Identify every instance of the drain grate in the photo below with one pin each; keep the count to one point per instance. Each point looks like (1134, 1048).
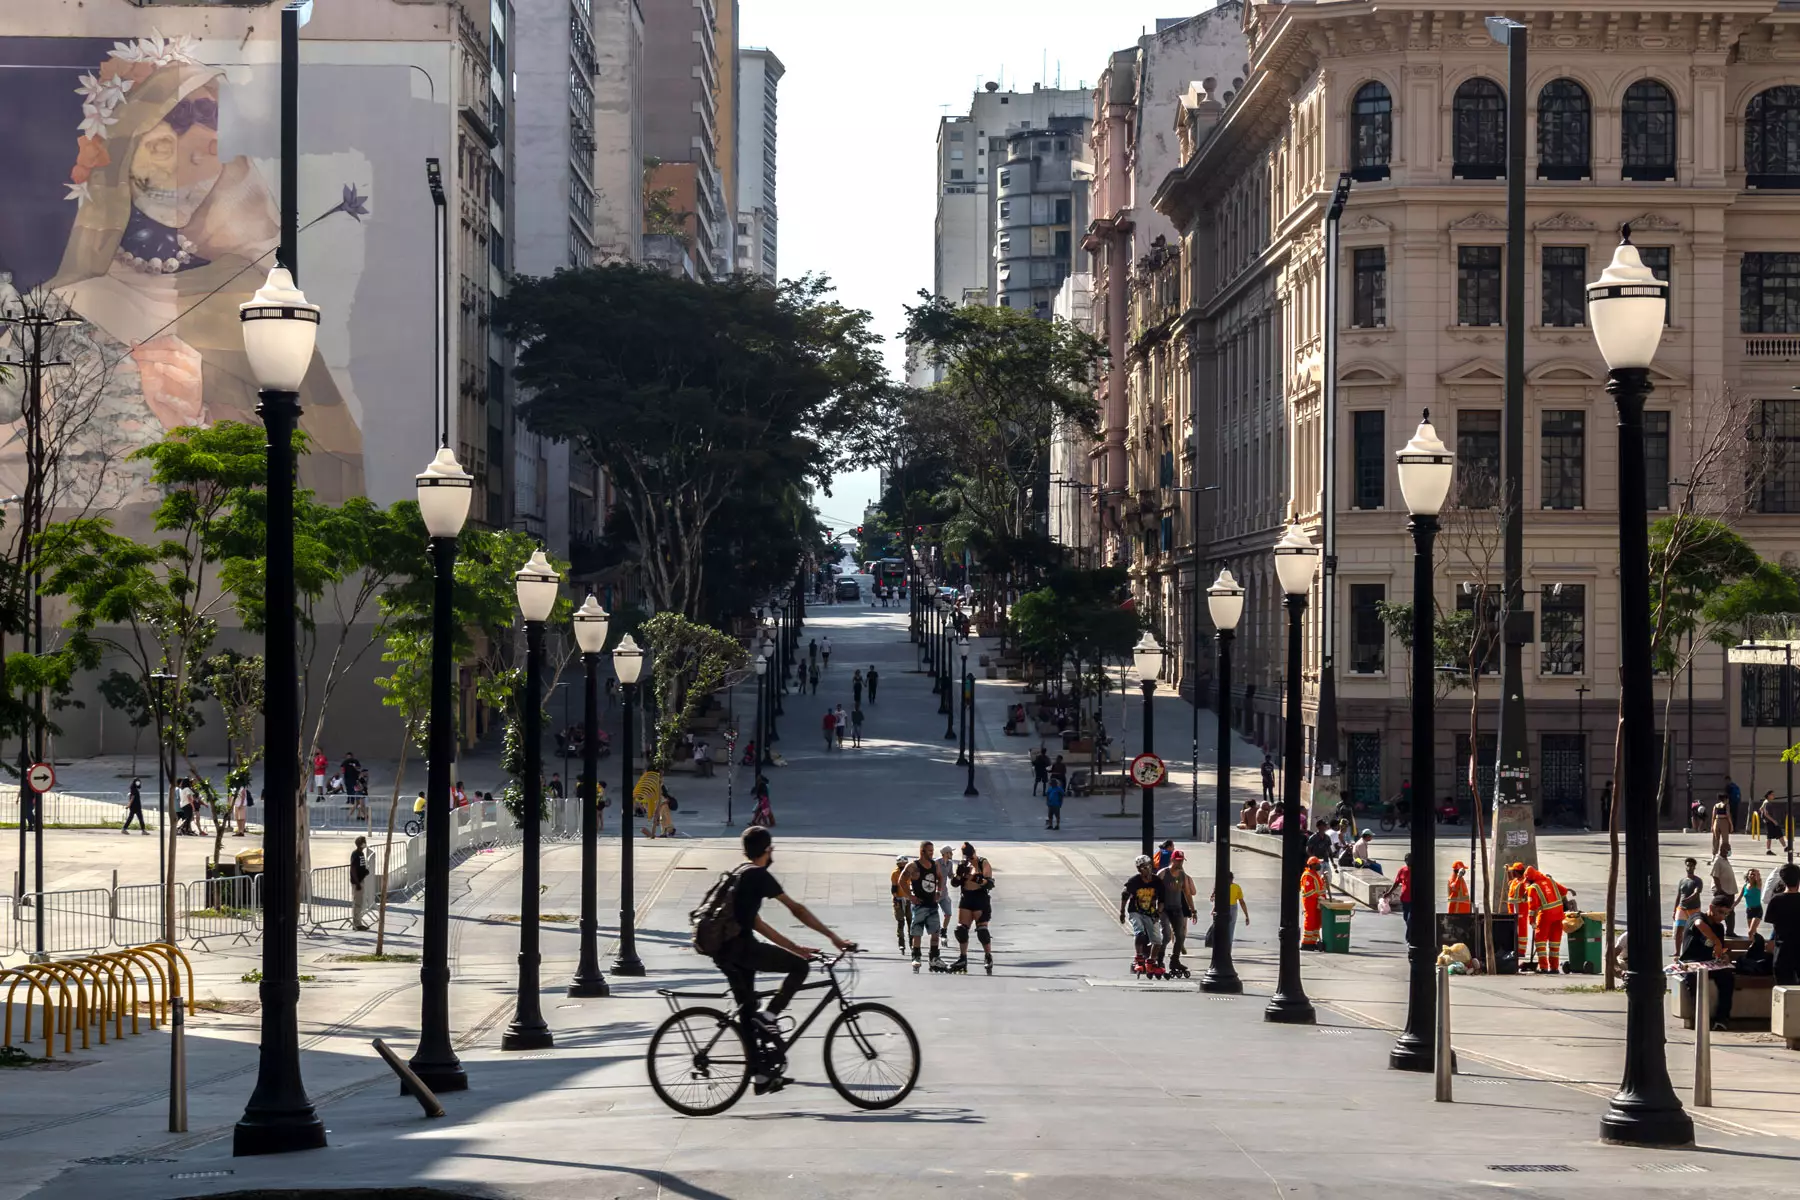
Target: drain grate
(1484, 1079)
(1334, 1031)
(202, 1174)
(1536, 1168)
(1673, 1168)
(122, 1160)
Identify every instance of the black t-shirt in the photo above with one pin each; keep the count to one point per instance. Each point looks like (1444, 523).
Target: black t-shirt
(1318, 845)
(1687, 893)
(1782, 914)
(1695, 947)
(1141, 893)
(755, 885)
(925, 882)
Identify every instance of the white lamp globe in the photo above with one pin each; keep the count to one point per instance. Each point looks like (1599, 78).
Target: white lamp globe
(1296, 561)
(1426, 467)
(536, 585)
(590, 622)
(1147, 658)
(280, 328)
(762, 665)
(444, 490)
(628, 660)
(1225, 601)
(1627, 306)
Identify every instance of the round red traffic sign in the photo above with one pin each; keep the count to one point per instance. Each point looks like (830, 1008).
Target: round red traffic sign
(1147, 770)
(42, 777)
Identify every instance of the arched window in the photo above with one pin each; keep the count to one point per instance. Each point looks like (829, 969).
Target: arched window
(1772, 138)
(1371, 132)
(1479, 113)
(1648, 139)
(1565, 131)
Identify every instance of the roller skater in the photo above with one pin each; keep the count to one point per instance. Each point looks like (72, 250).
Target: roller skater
(1177, 909)
(1141, 900)
(975, 878)
(900, 914)
(921, 883)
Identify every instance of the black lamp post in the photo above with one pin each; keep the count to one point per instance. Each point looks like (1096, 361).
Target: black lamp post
(1225, 601)
(590, 623)
(1147, 658)
(944, 705)
(1296, 562)
(965, 734)
(536, 585)
(444, 491)
(1626, 308)
(628, 664)
(762, 686)
(1426, 467)
(280, 328)
(969, 718)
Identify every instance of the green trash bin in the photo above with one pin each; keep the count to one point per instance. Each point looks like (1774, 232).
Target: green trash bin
(1335, 919)
(1587, 944)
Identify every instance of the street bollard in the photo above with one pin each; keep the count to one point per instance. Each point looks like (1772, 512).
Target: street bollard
(177, 1065)
(1444, 1061)
(1702, 1039)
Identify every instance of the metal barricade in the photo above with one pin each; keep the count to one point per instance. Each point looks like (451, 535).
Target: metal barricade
(137, 915)
(74, 921)
(9, 943)
(330, 901)
(227, 907)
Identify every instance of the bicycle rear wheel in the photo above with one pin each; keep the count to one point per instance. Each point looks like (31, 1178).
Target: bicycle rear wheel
(871, 1056)
(699, 1062)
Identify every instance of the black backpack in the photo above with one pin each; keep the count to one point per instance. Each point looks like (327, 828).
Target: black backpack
(715, 922)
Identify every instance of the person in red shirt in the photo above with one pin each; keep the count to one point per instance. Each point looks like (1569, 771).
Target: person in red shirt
(829, 725)
(1403, 885)
(320, 764)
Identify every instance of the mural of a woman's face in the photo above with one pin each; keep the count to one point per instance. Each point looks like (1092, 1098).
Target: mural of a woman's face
(177, 163)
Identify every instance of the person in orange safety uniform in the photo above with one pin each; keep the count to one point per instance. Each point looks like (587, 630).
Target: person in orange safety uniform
(1312, 890)
(1544, 907)
(1459, 889)
(1515, 904)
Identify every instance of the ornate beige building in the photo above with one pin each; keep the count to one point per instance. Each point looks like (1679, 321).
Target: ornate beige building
(1682, 120)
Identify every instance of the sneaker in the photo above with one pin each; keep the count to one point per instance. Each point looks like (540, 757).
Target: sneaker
(762, 1085)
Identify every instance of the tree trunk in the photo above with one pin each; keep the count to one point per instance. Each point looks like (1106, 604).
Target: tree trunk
(387, 848)
(1612, 869)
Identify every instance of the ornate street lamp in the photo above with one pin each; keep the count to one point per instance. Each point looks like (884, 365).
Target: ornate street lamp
(968, 706)
(444, 490)
(1426, 467)
(945, 641)
(628, 664)
(761, 662)
(280, 328)
(536, 585)
(1296, 562)
(1626, 308)
(1147, 659)
(1225, 601)
(590, 621)
(965, 735)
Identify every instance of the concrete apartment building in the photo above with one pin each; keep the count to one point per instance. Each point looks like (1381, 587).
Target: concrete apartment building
(1678, 118)
(683, 105)
(759, 80)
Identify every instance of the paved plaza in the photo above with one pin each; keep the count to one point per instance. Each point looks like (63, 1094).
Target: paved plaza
(1058, 1076)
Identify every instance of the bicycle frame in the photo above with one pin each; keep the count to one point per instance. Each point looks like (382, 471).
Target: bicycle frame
(829, 982)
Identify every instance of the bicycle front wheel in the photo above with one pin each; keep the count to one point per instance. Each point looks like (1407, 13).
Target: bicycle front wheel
(871, 1056)
(1387, 822)
(699, 1062)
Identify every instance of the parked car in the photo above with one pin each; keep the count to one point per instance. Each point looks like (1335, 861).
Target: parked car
(848, 589)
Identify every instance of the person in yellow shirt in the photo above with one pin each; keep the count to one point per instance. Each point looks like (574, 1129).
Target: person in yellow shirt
(1233, 905)
(419, 804)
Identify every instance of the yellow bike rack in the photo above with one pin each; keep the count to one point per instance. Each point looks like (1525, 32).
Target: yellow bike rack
(85, 992)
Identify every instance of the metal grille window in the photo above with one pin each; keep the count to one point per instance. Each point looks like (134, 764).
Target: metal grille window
(1478, 285)
(1564, 446)
(1480, 130)
(1484, 771)
(1769, 292)
(1657, 259)
(1765, 700)
(1648, 138)
(1368, 636)
(1477, 457)
(1565, 131)
(1565, 285)
(1772, 138)
(1777, 434)
(1563, 647)
(1371, 132)
(1484, 601)
(1368, 306)
(1656, 460)
(1369, 429)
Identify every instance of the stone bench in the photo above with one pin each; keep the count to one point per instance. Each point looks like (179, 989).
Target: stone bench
(1784, 1015)
(1364, 886)
(1752, 1001)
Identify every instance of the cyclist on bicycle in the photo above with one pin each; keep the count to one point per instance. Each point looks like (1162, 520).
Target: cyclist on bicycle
(744, 956)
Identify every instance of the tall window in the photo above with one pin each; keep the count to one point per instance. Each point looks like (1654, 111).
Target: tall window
(1657, 259)
(1480, 130)
(1371, 132)
(1477, 457)
(1648, 137)
(1478, 285)
(1371, 449)
(1769, 293)
(1483, 601)
(1656, 460)
(1768, 694)
(1564, 444)
(1772, 138)
(1368, 636)
(1565, 131)
(1777, 435)
(1563, 648)
(1368, 305)
(1565, 285)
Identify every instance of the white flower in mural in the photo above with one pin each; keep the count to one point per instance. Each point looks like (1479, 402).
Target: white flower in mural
(104, 93)
(157, 50)
(95, 119)
(78, 192)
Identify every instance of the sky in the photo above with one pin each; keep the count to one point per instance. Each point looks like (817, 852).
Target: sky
(856, 138)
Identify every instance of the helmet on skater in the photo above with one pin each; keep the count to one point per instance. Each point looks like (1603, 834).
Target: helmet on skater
(1142, 860)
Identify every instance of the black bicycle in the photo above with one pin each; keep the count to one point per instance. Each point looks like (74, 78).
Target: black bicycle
(700, 1058)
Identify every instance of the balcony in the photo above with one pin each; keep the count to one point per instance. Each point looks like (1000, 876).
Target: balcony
(1155, 291)
(1772, 347)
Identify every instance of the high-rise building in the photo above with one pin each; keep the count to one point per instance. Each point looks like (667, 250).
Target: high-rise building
(759, 75)
(1041, 191)
(681, 102)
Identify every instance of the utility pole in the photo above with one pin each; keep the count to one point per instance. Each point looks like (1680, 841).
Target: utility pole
(1326, 784)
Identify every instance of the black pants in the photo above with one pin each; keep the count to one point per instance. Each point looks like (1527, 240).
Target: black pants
(1725, 982)
(871, 691)
(1040, 783)
(742, 961)
(1787, 964)
(136, 810)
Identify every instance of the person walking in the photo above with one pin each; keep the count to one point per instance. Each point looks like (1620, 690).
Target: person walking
(135, 800)
(1177, 909)
(1268, 779)
(359, 876)
(828, 726)
(840, 725)
(812, 675)
(1734, 796)
(1752, 896)
(1234, 904)
(874, 678)
(1769, 821)
(812, 650)
(1053, 802)
(856, 720)
(1059, 773)
(856, 689)
(1403, 885)
(1721, 823)
(1040, 771)
(1724, 880)
(825, 653)
(1687, 901)
(240, 809)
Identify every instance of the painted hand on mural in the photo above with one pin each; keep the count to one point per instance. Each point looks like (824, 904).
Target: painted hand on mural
(169, 374)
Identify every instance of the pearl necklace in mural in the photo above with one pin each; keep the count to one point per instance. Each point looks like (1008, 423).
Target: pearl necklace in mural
(154, 248)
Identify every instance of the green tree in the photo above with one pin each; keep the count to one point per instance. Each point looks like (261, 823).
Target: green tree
(689, 663)
(406, 688)
(236, 682)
